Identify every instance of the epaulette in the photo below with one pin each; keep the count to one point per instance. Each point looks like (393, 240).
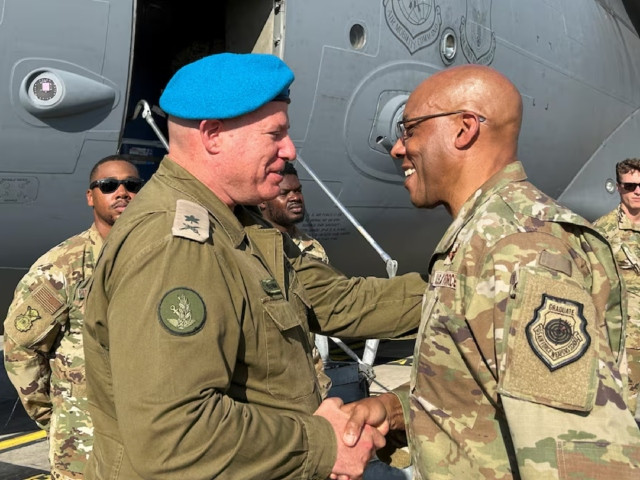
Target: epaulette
(191, 221)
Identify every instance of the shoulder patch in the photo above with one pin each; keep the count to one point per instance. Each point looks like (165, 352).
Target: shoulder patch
(557, 333)
(555, 262)
(182, 311)
(191, 221)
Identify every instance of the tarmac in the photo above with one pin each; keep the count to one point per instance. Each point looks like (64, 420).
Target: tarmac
(24, 447)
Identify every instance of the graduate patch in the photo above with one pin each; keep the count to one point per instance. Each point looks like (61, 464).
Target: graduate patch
(182, 311)
(24, 322)
(557, 334)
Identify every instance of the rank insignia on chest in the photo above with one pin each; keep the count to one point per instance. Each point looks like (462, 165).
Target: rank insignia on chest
(557, 334)
(271, 287)
(182, 311)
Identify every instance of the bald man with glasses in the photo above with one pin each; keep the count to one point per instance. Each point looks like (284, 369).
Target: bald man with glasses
(43, 350)
(621, 226)
(519, 355)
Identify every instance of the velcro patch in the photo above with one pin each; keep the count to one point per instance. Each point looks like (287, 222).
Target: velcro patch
(191, 221)
(47, 298)
(444, 279)
(182, 311)
(24, 321)
(551, 354)
(555, 262)
(557, 334)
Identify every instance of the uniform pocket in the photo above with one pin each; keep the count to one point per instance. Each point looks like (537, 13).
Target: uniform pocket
(290, 373)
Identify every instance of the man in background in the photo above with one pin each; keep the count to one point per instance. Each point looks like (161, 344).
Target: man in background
(44, 357)
(621, 227)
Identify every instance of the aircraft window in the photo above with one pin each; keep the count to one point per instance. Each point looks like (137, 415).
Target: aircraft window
(357, 36)
(448, 46)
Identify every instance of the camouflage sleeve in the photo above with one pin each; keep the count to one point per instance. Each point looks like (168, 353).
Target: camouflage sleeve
(558, 382)
(31, 328)
(29, 372)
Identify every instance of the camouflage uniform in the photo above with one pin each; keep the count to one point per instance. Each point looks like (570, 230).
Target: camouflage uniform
(514, 375)
(44, 357)
(309, 245)
(197, 340)
(624, 237)
(314, 248)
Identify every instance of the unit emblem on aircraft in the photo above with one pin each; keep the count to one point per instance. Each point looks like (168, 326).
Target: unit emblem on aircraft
(416, 23)
(557, 334)
(477, 37)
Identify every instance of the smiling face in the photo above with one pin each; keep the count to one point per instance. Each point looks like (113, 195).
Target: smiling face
(257, 147)
(428, 174)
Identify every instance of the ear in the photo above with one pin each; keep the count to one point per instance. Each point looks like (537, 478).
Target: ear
(262, 206)
(468, 130)
(210, 135)
(90, 198)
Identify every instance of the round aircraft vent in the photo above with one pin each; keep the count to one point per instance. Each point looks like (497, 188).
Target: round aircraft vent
(610, 185)
(357, 36)
(448, 46)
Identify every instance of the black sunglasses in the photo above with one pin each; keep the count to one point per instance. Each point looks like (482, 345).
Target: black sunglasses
(110, 185)
(629, 186)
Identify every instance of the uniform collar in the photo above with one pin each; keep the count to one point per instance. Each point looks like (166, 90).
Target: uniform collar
(624, 222)
(96, 241)
(513, 172)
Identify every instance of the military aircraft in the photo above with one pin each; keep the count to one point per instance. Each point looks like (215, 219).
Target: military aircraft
(73, 71)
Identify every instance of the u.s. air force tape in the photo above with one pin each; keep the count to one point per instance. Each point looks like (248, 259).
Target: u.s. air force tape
(182, 311)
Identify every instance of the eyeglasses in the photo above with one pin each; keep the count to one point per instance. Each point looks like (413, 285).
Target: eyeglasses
(110, 185)
(629, 186)
(404, 132)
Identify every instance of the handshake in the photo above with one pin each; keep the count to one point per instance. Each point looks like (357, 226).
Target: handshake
(360, 428)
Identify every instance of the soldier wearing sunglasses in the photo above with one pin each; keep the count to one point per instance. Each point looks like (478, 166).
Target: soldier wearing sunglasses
(44, 355)
(621, 226)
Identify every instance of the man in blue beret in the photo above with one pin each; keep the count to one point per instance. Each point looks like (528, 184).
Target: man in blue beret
(197, 330)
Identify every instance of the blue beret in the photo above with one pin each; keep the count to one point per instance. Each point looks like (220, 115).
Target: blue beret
(226, 85)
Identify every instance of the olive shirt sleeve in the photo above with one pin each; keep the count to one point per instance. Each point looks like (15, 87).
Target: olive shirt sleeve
(170, 391)
(33, 323)
(562, 401)
(359, 307)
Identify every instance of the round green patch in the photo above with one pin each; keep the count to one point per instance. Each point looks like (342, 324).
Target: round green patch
(182, 311)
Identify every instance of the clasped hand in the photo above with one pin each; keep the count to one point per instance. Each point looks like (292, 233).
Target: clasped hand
(360, 428)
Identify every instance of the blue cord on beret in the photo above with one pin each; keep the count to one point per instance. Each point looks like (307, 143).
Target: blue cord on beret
(226, 85)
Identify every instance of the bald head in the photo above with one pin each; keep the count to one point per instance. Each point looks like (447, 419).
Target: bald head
(451, 156)
(480, 89)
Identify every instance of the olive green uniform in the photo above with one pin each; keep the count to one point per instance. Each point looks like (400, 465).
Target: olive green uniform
(624, 237)
(197, 340)
(517, 363)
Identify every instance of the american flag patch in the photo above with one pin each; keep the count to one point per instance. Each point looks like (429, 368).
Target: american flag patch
(47, 299)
